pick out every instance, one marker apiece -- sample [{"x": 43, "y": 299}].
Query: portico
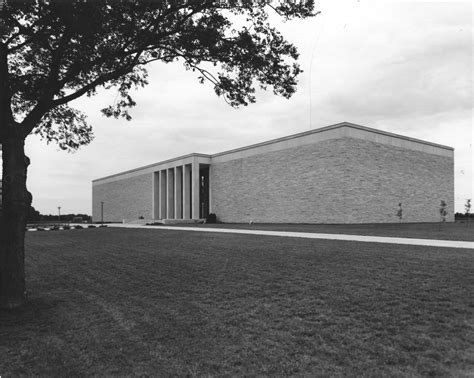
[{"x": 177, "y": 188}]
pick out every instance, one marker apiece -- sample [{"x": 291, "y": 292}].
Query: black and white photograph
[{"x": 229, "y": 188}]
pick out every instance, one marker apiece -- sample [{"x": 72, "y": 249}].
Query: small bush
[
  {"x": 211, "y": 218},
  {"x": 442, "y": 211},
  {"x": 400, "y": 212}
]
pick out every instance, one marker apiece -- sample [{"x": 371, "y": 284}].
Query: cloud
[{"x": 414, "y": 60}]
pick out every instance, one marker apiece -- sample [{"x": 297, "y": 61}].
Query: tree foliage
[
  {"x": 467, "y": 207},
  {"x": 55, "y": 51},
  {"x": 443, "y": 212},
  {"x": 60, "y": 50},
  {"x": 400, "y": 212}
]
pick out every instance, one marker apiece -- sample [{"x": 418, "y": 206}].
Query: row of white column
[{"x": 176, "y": 192}]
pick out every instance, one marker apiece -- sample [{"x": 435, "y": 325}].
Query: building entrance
[{"x": 203, "y": 191}]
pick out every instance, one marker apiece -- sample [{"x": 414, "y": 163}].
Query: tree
[
  {"x": 33, "y": 215},
  {"x": 467, "y": 207},
  {"x": 400, "y": 212},
  {"x": 443, "y": 211},
  {"x": 54, "y": 51}
]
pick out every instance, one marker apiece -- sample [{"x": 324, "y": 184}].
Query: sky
[{"x": 404, "y": 67}]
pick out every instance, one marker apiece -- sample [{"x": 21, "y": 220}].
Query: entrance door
[{"x": 203, "y": 192}]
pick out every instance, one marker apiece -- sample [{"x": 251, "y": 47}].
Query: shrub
[
  {"x": 467, "y": 206},
  {"x": 211, "y": 218},
  {"x": 442, "y": 211},
  {"x": 400, "y": 212}
]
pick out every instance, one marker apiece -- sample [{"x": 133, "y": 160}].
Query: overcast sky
[{"x": 403, "y": 66}]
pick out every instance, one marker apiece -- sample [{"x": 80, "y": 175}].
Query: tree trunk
[{"x": 16, "y": 201}]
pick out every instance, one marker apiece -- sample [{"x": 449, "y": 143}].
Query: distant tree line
[
  {"x": 35, "y": 216},
  {"x": 461, "y": 216}
]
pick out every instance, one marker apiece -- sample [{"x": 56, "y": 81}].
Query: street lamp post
[
  {"x": 102, "y": 213},
  {"x": 59, "y": 213}
]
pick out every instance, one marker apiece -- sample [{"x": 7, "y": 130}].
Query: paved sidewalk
[{"x": 308, "y": 235}]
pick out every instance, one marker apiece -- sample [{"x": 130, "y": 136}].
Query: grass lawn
[
  {"x": 439, "y": 231},
  {"x": 155, "y": 302}
]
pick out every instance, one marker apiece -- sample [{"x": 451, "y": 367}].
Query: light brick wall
[
  {"x": 336, "y": 181},
  {"x": 381, "y": 176},
  {"x": 126, "y": 199}
]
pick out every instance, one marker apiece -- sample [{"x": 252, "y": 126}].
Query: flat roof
[{"x": 152, "y": 165}]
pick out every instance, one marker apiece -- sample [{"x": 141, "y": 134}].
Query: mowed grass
[
  {"x": 156, "y": 302},
  {"x": 438, "y": 231}
]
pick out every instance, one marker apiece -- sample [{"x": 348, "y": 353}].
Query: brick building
[{"x": 343, "y": 173}]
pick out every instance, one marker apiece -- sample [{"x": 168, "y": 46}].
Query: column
[
  {"x": 170, "y": 194},
  {"x": 156, "y": 196},
  {"x": 187, "y": 191},
  {"x": 178, "y": 194},
  {"x": 195, "y": 189},
  {"x": 163, "y": 187}
]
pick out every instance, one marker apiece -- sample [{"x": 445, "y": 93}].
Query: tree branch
[
  {"x": 86, "y": 88},
  {"x": 35, "y": 36}
]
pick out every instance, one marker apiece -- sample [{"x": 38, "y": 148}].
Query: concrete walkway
[{"x": 308, "y": 235}]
